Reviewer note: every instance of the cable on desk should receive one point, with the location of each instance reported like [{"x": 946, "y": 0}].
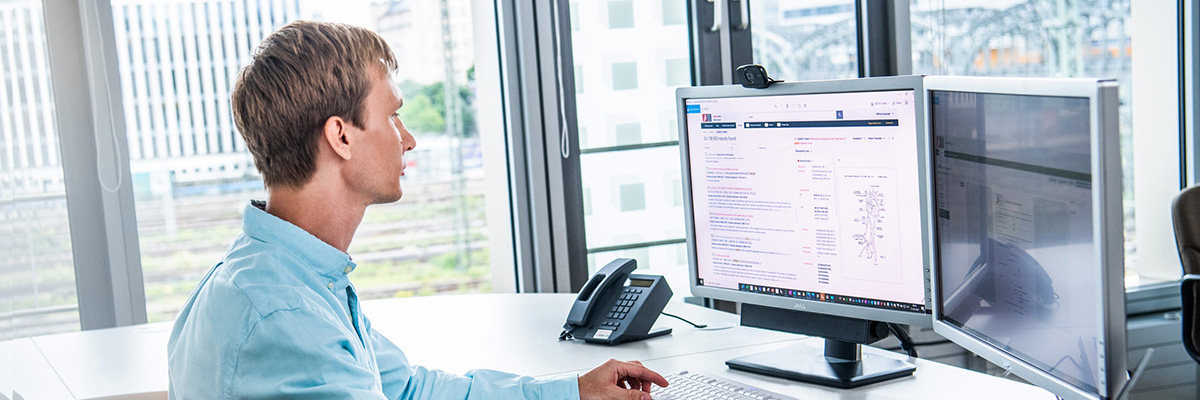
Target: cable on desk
[
  {"x": 906, "y": 342},
  {"x": 921, "y": 344},
  {"x": 702, "y": 326}
]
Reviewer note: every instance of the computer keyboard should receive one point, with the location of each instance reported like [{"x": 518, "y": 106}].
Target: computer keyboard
[{"x": 690, "y": 385}]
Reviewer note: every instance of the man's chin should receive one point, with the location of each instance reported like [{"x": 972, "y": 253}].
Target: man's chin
[{"x": 390, "y": 198}]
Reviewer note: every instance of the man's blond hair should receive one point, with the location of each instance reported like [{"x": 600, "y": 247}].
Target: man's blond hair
[{"x": 298, "y": 77}]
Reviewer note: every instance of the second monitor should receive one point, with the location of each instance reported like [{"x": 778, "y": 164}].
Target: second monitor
[{"x": 806, "y": 203}]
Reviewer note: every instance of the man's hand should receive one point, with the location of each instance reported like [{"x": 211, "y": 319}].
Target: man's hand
[{"x": 619, "y": 380}]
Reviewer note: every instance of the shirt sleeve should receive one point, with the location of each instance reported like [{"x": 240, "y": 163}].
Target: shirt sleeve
[
  {"x": 287, "y": 355},
  {"x": 403, "y": 381}
]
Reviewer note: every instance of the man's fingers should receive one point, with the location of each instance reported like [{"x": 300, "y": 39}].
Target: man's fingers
[
  {"x": 619, "y": 380},
  {"x": 636, "y": 395},
  {"x": 644, "y": 374},
  {"x": 643, "y": 386}
]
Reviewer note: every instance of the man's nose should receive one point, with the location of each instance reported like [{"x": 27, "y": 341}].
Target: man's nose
[
  {"x": 406, "y": 137},
  {"x": 410, "y": 142}
]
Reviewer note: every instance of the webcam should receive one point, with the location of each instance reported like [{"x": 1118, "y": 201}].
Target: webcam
[{"x": 754, "y": 76}]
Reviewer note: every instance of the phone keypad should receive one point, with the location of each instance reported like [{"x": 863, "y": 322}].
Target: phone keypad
[{"x": 624, "y": 305}]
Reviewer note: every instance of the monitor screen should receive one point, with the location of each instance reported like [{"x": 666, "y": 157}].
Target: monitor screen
[
  {"x": 1016, "y": 254},
  {"x": 808, "y": 196}
]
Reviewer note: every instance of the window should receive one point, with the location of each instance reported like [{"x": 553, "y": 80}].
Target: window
[
  {"x": 620, "y": 14},
  {"x": 624, "y": 76},
  {"x": 37, "y": 268},
  {"x": 628, "y": 133},
  {"x": 669, "y": 260},
  {"x": 629, "y": 213},
  {"x": 193, "y": 176},
  {"x": 578, "y": 79},
  {"x": 677, "y": 73},
  {"x": 674, "y": 12},
  {"x": 669, "y": 125},
  {"x": 805, "y": 40},
  {"x": 1014, "y": 39},
  {"x": 633, "y": 197},
  {"x": 574, "y": 17},
  {"x": 676, "y": 186},
  {"x": 587, "y": 201}
]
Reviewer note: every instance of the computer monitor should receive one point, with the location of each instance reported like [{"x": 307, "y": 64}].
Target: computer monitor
[
  {"x": 806, "y": 202},
  {"x": 1029, "y": 260}
]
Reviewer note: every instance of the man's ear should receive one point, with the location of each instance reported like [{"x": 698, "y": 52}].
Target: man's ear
[{"x": 337, "y": 136}]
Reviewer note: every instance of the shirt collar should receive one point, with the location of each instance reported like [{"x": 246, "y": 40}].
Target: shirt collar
[{"x": 326, "y": 260}]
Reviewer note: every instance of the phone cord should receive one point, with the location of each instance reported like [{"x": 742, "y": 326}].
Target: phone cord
[{"x": 701, "y": 326}]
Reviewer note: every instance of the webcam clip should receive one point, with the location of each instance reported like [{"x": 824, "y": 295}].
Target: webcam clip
[{"x": 754, "y": 76}]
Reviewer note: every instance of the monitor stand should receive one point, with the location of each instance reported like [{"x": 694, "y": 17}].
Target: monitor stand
[{"x": 842, "y": 365}]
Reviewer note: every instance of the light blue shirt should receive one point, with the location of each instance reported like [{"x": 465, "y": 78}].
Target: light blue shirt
[{"x": 278, "y": 317}]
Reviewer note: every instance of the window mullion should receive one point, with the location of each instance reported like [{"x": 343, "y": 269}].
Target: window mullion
[
  {"x": 108, "y": 274},
  {"x": 1189, "y": 86},
  {"x": 548, "y": 210},
  {"x": 710, "y": 63},
  {"x": 741, "y": 49},
  {"x": 884, "y": 38}
]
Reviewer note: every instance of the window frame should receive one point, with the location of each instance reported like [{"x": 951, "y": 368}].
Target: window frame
[
  {"x": 104, "y": 241},
  {"x": 543, "y": 149},
  {"x": 1158, "y": 174}
]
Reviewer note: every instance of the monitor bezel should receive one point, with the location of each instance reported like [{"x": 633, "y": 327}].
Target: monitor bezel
[
  {"x": 1107, "y": 225},
  {"x": 899, "y": 83}
]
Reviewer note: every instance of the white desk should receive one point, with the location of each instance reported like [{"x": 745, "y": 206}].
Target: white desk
[
  {"x": 514, "y": 333},
  {"x": 32, "y": 377},
  {"x": 519, "y": 333},
  {"x": 127, "y": 362}
]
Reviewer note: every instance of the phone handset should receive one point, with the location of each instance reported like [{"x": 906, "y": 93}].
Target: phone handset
[{"x": 615, "y": 273}]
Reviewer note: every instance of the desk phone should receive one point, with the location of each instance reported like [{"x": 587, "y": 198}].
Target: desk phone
[{"x": 609, "y": 311}]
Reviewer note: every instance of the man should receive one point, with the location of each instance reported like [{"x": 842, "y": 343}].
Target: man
[{"x": 277, "y": 316}]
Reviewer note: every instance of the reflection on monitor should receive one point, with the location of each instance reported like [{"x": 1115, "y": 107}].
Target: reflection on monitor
[
  {"x": 805, "y": 202},
  {"x": 1021, "y": 274}
]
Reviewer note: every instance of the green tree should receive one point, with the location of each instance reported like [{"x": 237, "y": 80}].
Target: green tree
[
  {"x": 424, "y": 108},
  {"x": 422, "y": 116}
]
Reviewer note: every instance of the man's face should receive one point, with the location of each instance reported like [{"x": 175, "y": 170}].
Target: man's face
[{"x": 378, "y": 157}]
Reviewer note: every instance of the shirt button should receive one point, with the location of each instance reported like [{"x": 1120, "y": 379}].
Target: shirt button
[
  {"x": 348, "y": 269},
  {"x": 330, "y": 285}
]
